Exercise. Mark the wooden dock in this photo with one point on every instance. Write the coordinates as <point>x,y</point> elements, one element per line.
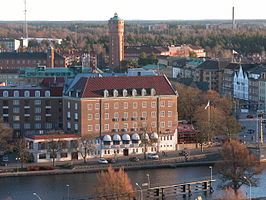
<point>172,191</point>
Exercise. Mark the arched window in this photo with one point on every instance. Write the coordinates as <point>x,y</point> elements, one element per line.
<point>5,93</point>
<point>143,92</point>
<point>115,93</point>
<point>153,92</point>
<point>47,93</point>
<point>26,94</point>
<point>105,93</point>
<point>124,92</point>
<point>16,93</point>
<point>134,92</point>
<point>37,93</point>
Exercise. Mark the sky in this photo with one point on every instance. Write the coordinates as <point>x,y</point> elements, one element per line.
<point>102,10</point>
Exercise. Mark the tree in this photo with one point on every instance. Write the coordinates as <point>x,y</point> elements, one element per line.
<point>114,184</point>
<point>230,126</point>
<point>86,146</point>
<point>5,138</point>
<point>237,163</point>
<point>23,155</point>
<point>55,145</point>
<point>228,194</point>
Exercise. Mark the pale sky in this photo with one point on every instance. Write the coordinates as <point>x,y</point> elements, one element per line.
<point>66,10</point>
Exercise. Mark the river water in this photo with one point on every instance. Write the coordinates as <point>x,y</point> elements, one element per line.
<point>53,187</point>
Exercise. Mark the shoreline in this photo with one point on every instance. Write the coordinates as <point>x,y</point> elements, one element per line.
<point>197,160</point>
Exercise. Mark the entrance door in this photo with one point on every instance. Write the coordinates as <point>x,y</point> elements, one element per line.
<point>125,152</point>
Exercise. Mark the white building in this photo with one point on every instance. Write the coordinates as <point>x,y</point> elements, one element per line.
<point>240,83</point>
<point>9,45</point>
<point>141,72</point>
<point>110,146</point>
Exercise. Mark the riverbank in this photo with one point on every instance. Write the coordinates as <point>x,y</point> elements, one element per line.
<point>195,160</point>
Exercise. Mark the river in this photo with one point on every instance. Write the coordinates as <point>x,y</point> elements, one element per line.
<point>53,187</point>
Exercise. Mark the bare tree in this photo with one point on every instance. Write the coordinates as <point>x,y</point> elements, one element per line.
<point>86,146</point>
<point>238,166</point>
<point>5,138</point>
<point>22,148</point>
<point>114,185</point>
<point>54,146</point>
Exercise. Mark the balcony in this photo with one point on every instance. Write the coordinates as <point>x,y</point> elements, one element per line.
<point>124,129</point>
<point>48,115</point>
<point>5,115</point>
<point>48,107</point>
<point>115,119</point>
<point>115,130</point>
<point>143,118</point>
<point>27,115</point>
<point>27,107</point>
<point>124,119</point>
<point>5,107</point>
<point>134,129</point>
<point>134,118</point>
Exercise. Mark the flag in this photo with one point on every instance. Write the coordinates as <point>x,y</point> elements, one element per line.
<point>208,105</point>
<point>235,52</point>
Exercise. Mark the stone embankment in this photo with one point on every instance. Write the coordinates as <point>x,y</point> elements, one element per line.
<point>195,160</point>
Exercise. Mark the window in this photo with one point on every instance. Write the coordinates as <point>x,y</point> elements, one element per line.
<point>37,117</point>
<point>63,155</point>
<point>169,124</point>
<point>135,125</point>
<point>116,115</point>
<point>16,93</point>
<point>125,115</point>
<point>116,126</point>
<point>68,104</point>
<point>89,116</point>
<point>169,113</point>
<point>37,125</point>
<point>16,118</point>
<point>76,127</point>
<point>153,124</point>
<point>15,102</point>
<point>48,125</point>
<point>97,106</point>
<point>153,114</point>
<point>144,104</point>
<point>162,113</point>
<point>47,93</point>
<point>97,116</point>
<point>162,104</point>
<point>125,105</point>
<point>162,124</point>
<point>76,106</point>
<point>106,127</point>
<point>89,106</point>
<point>106,116</point>
<point>90,128</point>
<point>37,102</point>
<point>106,105</point>
<point>76,116</point>
<point>38,110</point>
<point>125,126</point>
<point>37,93</point>
<point>135,105</point>
<point>42,156</point>
<point>170,103</point>
<point>16,126</point>
<point>5,93</point>
<point>97,127</point>
<point>116,105</point>
<point>135,114</point>
<point>144,114</point>
<point>153,104</point>
<point>68,125</point>
<point>15,110</point>
<point>26,93</point>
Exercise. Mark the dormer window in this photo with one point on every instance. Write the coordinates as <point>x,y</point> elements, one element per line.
<point>115,93</point>
<point>105,93</point>
<point>77,94</point>
<point>5,93</point>
<point>143,92</point>
<point>37,93</point>
<point>16,93</point>
<point>124,93</point>
<point>69,93</point>
<point>134,92</point>
<point>26,93</point>
<point>153,92</point>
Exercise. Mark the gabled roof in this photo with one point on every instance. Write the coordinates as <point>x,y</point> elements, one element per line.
<point>95,86</point>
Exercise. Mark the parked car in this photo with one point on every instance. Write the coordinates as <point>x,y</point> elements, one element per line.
<point>263,121</point>
<point>102,161</point>
<point>184,152</point>
<point>249,116</point>
<point>260,115</point>
<point>153,156</point>
<point>111,160</point>
<point>134,159</point>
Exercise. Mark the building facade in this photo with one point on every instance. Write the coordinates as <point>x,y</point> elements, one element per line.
<point>116,41</point>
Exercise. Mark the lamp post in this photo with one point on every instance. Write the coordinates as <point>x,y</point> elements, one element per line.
<point>249,186</point>
<point>35,194</point>
<point>67,191</point>
<point>211,171</point>
<point>141,195</point>
<point>149,181</point>
<point>17,159</point>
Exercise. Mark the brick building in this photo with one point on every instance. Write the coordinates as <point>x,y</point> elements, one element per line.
<point>15,60</point>
<point>30,109</point>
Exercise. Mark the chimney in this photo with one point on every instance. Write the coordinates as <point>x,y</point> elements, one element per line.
<point>233,18</point>
<point>50,57</point>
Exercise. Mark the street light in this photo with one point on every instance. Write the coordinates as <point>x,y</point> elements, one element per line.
<point>249,186</point>
<point>141,195</point>
<point>149,181</point>
<point>67,191</point>
<point>211,190</point>
<point>17,159</point>
<point>35,194</point>
<point>211,171</point>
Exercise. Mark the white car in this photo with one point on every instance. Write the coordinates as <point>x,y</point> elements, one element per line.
<point>153,156</point>
<point>102,161</point>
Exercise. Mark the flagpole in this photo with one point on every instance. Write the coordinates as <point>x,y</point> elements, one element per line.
<point>209,121</point>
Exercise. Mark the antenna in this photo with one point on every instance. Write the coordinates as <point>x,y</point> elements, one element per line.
<point>26,25</point>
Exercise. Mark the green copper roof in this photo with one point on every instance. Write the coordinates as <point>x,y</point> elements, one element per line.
<point>115,18</point>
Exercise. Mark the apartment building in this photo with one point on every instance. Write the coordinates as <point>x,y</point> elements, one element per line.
<point>31,109</point>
